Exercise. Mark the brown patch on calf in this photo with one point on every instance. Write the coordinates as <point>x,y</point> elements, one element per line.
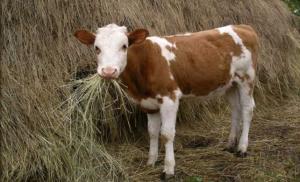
<point>203,61</point>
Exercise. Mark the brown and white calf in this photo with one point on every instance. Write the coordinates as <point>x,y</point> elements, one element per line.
<point>159,71</point>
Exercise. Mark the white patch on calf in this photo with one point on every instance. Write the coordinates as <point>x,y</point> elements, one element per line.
<point>187,34</point>
<point>163,44</point>
<point>243,63</point>
<point>165,52</point>
<point>229,30</point>
<point>180,35</point>
<point>153,103</point>
<point>171,76</point>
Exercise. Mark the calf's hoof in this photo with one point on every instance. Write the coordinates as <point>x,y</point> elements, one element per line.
<point>166,177</point>
<point>152,160</point>
<point>151,163</point>
<point>241,154</point>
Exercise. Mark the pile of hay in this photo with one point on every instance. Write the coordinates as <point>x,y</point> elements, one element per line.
<point>43,139</point>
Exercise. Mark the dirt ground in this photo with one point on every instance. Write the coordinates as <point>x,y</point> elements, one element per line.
<point>274,149</point>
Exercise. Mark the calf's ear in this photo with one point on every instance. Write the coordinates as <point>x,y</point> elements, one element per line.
<point>137,36</point>
<point>85,37</point>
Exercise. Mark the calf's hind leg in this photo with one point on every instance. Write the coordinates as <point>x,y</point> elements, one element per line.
<point>247,106</point>
<point>234,100</point>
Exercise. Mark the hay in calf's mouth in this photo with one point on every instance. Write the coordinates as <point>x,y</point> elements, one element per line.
<point>102,105</point>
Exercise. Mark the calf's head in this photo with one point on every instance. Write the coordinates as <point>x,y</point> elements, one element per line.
<point>111,43</point>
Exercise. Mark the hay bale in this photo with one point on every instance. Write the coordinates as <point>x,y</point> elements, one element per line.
<point>39,141</point>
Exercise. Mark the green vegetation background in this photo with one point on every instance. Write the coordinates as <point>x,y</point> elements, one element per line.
<point>294,5</point>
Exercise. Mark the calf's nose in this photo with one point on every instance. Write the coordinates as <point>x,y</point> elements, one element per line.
<point>109,72</point>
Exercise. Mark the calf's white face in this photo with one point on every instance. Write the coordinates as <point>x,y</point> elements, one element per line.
<point>111,47</point>
<point>111,43</point>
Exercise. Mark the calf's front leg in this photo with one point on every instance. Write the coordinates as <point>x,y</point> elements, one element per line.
<point>154,124</point>
<point>168,111</point>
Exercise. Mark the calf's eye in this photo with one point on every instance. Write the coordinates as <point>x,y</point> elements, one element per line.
<point>124,47</point>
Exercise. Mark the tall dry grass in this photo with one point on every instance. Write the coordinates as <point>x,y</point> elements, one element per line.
<point>41,140</point>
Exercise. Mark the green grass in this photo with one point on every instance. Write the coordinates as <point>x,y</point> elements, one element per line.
<point>294,6</point>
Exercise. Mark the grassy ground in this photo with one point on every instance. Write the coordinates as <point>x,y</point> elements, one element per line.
<point>274,150</point>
